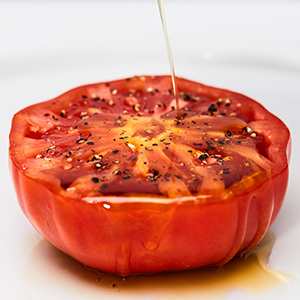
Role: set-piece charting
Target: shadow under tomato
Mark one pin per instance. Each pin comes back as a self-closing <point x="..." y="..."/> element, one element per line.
<point x="51" y="268"/>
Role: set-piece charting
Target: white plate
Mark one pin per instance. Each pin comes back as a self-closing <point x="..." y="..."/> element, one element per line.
<point x="50" y="47"/>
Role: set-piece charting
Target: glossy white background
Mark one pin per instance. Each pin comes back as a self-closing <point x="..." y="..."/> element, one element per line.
<point x="48" y="47"/>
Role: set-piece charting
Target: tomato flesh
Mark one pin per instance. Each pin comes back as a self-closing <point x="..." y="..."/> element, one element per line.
<point x="112" y="176"/>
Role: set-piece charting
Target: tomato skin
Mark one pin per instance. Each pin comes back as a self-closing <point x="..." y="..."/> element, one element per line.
<point x="127" y="236"/>
<point x="129" y="239"/>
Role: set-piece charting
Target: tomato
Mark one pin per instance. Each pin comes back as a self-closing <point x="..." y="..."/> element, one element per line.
<point x="114" y="176"/>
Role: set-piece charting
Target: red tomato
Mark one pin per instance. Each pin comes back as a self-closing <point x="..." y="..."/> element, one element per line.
<point x="109" y="175"/>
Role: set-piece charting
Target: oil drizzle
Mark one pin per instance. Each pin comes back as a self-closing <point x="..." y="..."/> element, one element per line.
<point x="175" y="91"/>
<point x="174" y="83"/>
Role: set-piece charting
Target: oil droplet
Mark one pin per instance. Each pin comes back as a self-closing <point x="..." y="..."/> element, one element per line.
<point x="249" y="273"/>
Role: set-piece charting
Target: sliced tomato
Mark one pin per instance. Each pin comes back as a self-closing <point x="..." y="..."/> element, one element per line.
<point x="113" y="175"/>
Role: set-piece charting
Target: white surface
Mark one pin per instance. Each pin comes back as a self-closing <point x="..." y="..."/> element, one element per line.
<point x="48" y="48"/>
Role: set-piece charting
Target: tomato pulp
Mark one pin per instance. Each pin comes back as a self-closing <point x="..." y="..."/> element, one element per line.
<point x="111" y="176"/>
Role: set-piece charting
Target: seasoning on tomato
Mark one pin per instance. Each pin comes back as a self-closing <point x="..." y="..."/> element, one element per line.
<point x="111" y="176"/>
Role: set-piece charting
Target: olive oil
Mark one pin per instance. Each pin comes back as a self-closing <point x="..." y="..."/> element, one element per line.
<point x="174" y="83"/>
<point x="249" y="273"/>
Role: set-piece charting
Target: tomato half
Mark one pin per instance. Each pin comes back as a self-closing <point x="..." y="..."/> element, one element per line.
<point x="111" y="175"/>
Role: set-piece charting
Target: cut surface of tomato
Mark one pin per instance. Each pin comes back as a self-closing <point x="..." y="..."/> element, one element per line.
<point x="110" y="174"/>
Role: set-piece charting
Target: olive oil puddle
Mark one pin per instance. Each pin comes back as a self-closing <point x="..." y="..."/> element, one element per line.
<point x="249" y="273"/>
